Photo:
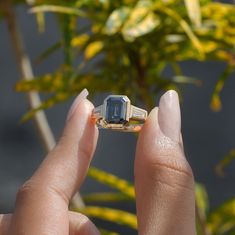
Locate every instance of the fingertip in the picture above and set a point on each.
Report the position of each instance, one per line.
(81, 128)
(80, 97)
(151, 121)
(153, 144)
(85, 107)
(88, 104)
(150, 130)
(164, 182)
(81, 119)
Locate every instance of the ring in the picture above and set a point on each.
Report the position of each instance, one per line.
(117, 113)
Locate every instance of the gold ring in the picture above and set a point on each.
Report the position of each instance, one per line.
(117, 113)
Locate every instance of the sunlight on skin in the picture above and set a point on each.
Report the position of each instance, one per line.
(164, 181)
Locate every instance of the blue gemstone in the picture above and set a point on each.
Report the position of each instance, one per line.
(116, 110)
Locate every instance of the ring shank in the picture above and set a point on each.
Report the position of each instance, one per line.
(125, 128)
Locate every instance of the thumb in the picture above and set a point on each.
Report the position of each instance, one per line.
(163, 178)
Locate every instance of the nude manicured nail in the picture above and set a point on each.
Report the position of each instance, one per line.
(83, 94)
(169, 117)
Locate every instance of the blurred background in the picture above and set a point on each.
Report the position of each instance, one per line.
(208, 135)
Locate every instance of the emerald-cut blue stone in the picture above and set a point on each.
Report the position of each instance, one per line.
(116, 110)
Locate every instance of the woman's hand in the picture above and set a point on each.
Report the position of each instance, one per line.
(163, 179)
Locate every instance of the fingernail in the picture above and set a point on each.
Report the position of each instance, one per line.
(83, 94)
(169, 117)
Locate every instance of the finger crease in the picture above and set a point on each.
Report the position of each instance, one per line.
(173, 168)
(173, 185)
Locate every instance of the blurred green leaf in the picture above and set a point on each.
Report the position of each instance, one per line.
(194, 11)
(111, 215)
(148, 24)
(140, 21)
(57, 9)
(80, 40)
(106, 232)
(225, 161)
(93, 49)
(186, 80)
(202, 209)
(175, 38)
(46, 83)
(105, 197)
(184, 25)
(202, 200)
(44, 55)
(215, 98)
(48, 103)
(113, 181)
(116, 20)
(40, 21)
(222, 219)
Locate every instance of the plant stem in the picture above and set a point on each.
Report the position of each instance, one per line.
(26, 72)
(143, 88)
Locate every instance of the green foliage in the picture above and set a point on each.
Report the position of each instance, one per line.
(220, 221)
(123, 40)
(113, 181)
(105, 197)
(111, 215)
(225, 161)
(125, 48)
(215, 99)
(202, 200)
(106, 232)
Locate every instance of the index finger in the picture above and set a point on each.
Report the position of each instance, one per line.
(42, 202)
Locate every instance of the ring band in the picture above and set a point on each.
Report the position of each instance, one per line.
(117, 113)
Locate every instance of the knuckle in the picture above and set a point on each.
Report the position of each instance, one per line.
(32, 188)
(167, 165)
(59, 193)
(173, 173)
(26, 190)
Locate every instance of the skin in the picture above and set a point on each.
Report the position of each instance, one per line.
(164, 181)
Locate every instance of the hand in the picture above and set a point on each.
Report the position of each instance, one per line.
(163, 179)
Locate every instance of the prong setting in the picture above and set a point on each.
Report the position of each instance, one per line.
(117, 113)
(116, 110)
